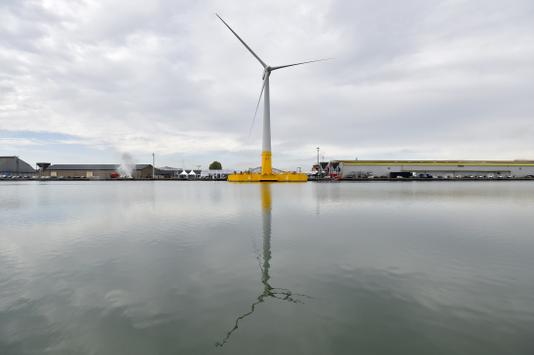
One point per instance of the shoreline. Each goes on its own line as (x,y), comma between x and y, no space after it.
(310,180)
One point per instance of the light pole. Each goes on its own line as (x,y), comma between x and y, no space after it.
(318,164)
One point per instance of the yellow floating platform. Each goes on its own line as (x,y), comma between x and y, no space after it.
(257,177)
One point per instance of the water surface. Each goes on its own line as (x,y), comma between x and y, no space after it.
(219,268)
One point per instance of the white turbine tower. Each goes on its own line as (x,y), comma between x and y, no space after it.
(266,163)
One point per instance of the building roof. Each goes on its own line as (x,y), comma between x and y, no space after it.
(439,162)
(14,165)
(168,168)
(92,166)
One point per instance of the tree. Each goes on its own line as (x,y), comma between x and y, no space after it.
(215,165)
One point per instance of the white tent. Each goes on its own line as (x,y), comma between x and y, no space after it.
(183,173)
(192,173)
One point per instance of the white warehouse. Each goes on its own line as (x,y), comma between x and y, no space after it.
(346,169)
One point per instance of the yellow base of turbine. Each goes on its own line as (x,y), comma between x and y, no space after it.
(266,164)
(267,174)
(257,177)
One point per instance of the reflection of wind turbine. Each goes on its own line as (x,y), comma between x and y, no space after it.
(266,164)
(268,291)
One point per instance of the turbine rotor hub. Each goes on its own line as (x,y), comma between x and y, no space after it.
(266,72)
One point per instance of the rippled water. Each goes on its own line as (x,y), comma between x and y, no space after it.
(220,268)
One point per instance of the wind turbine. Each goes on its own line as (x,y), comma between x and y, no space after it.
(266,163)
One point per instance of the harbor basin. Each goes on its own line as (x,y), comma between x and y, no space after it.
(162,267)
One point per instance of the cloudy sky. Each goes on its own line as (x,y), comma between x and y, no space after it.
(87,81)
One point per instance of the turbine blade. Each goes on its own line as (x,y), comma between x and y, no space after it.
(246,45)
(256,111)
(292,65)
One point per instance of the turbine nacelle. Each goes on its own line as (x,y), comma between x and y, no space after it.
(267,71)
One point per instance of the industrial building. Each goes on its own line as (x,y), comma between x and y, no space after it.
(97,171)
(220,174)
(13,166)
(352,169)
